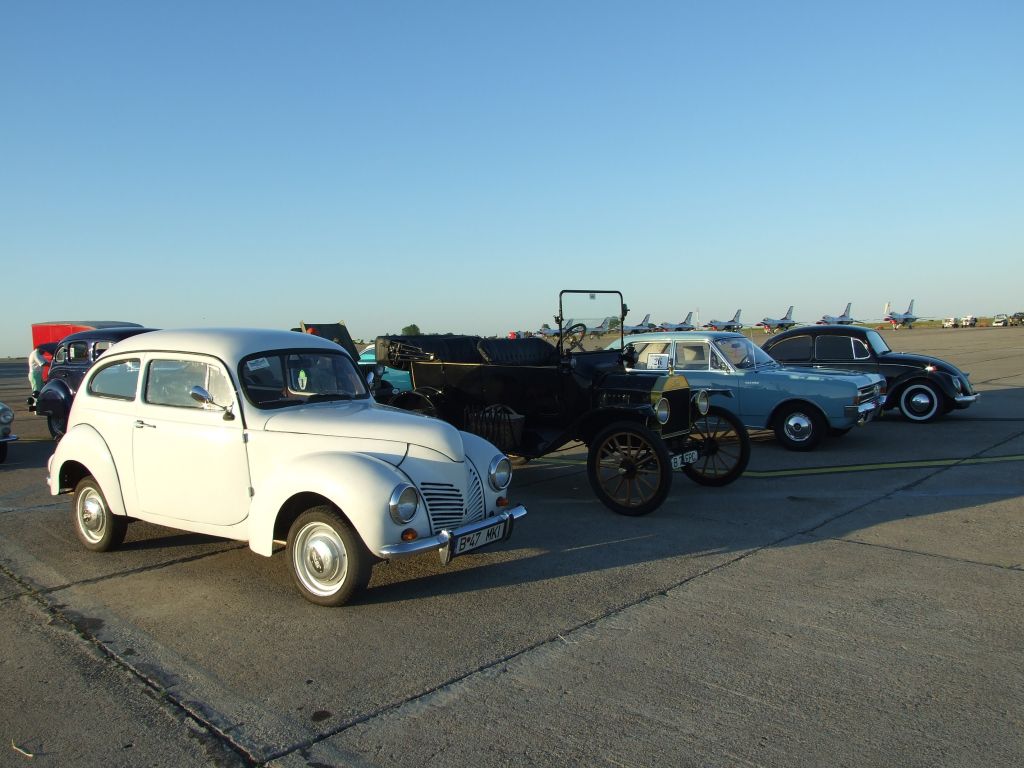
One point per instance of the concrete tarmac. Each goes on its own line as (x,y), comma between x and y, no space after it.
(859,605)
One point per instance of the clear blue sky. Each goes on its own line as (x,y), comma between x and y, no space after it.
(455,164)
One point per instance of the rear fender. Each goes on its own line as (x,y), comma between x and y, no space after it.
(80,453)
(54,398)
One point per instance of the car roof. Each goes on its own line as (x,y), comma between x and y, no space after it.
(683,336)
(819,330)
(228,344)
(105,334)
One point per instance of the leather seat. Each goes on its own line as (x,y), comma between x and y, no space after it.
(528,351)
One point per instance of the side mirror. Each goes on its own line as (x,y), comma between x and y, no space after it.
(200,395)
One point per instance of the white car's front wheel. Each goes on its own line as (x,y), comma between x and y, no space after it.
(329,563)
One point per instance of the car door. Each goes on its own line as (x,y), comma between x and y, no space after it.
(190,459)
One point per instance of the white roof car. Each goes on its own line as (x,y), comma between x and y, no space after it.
(272,436)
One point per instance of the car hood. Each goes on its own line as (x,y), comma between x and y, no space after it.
(917,361)
(810,373)
(370,422)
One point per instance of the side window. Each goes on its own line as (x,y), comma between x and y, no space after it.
(99,348)
(170,382)
(78,352)
(717,363)
(116,380)
(691,357)
(860,350)
(644,360)
(793,350)
(838,348)
(61,355)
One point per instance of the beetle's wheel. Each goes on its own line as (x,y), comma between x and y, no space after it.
(629,468)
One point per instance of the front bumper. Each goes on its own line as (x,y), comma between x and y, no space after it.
(962,401)
(442,542)
(864,412)
(8,438)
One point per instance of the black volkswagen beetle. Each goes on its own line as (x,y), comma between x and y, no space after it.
(922,387)
(74,356)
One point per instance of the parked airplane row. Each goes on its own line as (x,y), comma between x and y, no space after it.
(769,324)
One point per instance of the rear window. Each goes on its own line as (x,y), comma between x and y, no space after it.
(793,350)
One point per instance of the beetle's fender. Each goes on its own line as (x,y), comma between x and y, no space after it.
(83,451)
(942,380)
(359,485)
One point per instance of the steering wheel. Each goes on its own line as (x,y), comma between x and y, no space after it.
(572,337)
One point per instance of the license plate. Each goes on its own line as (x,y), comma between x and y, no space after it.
(680,460)
(470,541)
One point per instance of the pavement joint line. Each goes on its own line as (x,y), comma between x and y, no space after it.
(154,689)
(922,464)
(938,556)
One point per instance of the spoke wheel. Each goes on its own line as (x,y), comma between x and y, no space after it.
(629,468)
(724,446)
(328,561)
(96,526)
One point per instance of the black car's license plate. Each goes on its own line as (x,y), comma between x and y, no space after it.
(680,460)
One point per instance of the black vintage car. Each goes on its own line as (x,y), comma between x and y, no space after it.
(531,397)
(74,356)
(922,387)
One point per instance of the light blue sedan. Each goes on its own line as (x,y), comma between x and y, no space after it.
(800,404)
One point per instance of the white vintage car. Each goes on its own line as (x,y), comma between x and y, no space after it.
(272,436)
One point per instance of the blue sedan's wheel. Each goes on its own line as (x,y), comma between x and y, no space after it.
(799,427)
(920,402)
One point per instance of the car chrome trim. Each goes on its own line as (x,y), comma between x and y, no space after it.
(443,540)
(966,398)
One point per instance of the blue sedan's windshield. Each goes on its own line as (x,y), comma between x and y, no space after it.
(744,354)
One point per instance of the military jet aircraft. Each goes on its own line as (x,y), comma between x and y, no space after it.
(726,325)
(901,319)
(644,326)
(843,319)
(686,325)
(771,325)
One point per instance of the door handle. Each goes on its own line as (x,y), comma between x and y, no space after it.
(139,424)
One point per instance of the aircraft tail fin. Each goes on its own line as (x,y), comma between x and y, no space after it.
(910,309)
(689,316)
(646,320)
(736,317)
(848,306)
(789,313)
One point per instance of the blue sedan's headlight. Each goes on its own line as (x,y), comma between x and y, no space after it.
(6,415)
(499,474)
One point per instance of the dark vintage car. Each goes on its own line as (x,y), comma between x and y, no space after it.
(531,397)
(74,356)
(922,387)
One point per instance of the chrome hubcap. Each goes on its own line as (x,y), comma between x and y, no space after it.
(921,402)
(320,559)
(798,427)
(92,517)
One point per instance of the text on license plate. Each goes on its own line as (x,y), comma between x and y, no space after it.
(680,460)
(470,541)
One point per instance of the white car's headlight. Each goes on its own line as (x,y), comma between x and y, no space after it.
(702,402)
(662,411)
(499,474)
(404,503)
(6,415)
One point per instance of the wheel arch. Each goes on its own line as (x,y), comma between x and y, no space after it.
(80,453)
(357,485)
(779,407)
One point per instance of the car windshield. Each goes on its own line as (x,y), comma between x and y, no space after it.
(877,343)
(744,354)
(293,377)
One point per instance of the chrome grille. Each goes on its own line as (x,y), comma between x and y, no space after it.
(446,507)
(868,393)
